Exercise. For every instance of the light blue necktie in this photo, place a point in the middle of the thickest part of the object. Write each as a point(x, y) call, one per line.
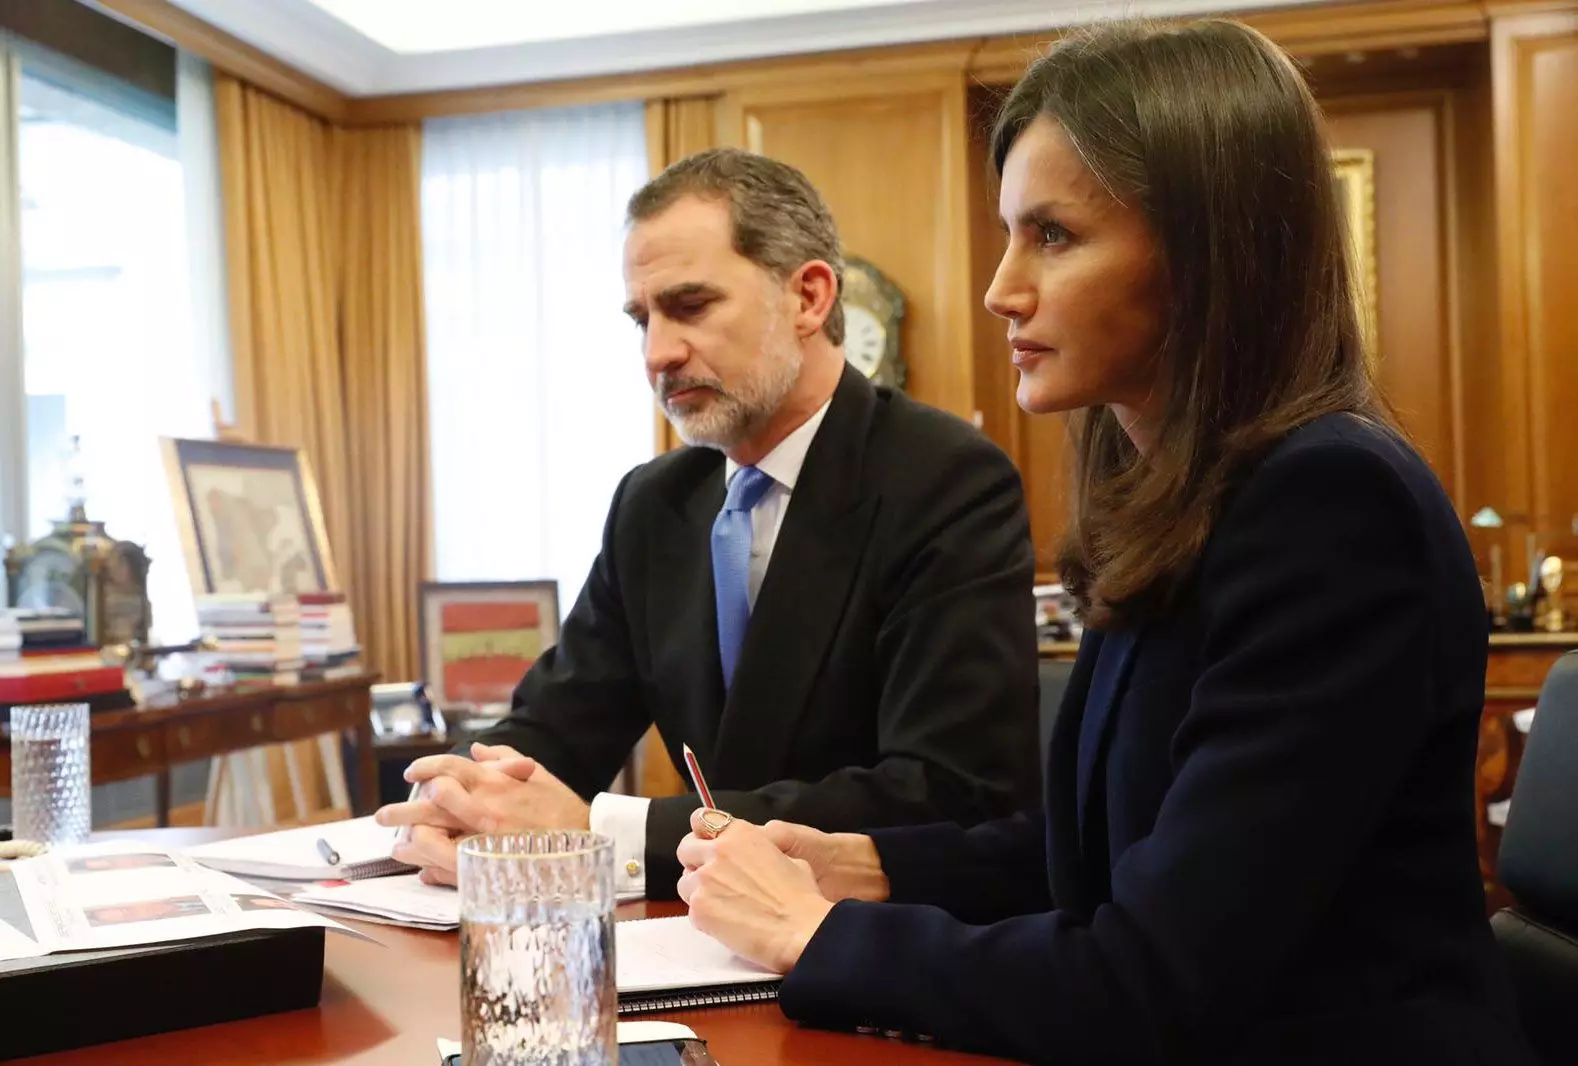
point(731, 563)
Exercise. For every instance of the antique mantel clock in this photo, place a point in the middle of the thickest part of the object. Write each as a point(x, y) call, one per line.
point(873, 310)
point(78, 566)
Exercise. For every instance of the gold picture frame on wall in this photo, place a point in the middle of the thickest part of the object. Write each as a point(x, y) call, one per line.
point(1354, 169)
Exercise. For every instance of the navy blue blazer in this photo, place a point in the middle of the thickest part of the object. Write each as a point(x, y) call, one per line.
point(1258, 836)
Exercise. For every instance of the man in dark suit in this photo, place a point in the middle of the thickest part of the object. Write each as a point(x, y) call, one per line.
point(878, 549)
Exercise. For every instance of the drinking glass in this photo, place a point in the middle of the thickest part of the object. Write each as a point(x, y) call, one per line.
point(537, 950)
point(50, 801)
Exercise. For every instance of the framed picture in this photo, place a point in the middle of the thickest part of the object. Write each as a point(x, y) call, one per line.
point(249, 518)
point(479, 638)
point(1354, 169)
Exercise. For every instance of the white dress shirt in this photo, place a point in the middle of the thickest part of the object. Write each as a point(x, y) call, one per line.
point(624, 818)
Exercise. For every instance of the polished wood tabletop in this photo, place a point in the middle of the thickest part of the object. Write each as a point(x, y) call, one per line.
point(386, 1003)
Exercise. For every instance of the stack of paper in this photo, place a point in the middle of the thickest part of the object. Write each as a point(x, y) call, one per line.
point(403, 900)
point(124, 894)
point(360, 847)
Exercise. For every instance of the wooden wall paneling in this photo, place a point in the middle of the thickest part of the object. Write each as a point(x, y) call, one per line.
point(1306, 31)
point(889, 156)
point(1534, 71)
point(1480, 458)
point(1416, 359)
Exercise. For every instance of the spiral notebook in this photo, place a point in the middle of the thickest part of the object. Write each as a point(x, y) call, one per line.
point(360, 845)
point(666, 964)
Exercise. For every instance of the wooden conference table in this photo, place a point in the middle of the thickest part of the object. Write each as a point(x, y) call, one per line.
point(387, 1003)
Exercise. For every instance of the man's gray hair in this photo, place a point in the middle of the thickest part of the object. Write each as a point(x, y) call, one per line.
point(779, 220)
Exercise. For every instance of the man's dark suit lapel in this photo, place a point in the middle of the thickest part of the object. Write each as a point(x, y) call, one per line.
point(819, 547)
point(685, 625)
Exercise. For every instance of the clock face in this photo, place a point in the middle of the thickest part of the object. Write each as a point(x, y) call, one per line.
point(47, 581)
point(865, 339)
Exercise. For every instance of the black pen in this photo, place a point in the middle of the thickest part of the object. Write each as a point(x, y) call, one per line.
point(326, 849)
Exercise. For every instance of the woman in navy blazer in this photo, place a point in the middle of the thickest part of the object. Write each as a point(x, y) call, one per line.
point(1258, 836)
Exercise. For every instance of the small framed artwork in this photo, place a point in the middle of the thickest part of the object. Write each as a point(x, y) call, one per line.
point(249, 518)
point(479, 638)
point(1354, 169)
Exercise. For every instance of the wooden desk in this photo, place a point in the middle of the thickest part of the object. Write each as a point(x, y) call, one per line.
point(150, 740)
point(387, 1004)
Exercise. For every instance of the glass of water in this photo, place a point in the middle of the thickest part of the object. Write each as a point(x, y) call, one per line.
point(50, 801)
point(537, 950)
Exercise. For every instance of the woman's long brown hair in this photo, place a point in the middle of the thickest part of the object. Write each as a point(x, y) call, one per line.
point(1211, 130)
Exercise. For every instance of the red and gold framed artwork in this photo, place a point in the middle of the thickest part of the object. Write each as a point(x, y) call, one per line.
point(480, 637)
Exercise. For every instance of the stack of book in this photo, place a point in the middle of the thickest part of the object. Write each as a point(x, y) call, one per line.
point(328, 637)
point(258, 637)
point(26, 630)
point(43, 660)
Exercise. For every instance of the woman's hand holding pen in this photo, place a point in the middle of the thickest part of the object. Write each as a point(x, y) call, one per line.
point(744, 892)
point(846, 865)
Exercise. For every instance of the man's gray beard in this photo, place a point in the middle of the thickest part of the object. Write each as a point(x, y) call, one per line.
point(731, 419)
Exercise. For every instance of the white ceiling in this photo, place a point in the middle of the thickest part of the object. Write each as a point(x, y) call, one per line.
point(374, 47)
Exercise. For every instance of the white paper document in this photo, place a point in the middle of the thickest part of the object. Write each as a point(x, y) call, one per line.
point(401, 900)
point(123, 894)
point(662, 954)
point(360, 845)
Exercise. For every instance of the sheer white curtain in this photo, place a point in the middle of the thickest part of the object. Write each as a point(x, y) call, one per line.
point(537, 399)
point(109, 303)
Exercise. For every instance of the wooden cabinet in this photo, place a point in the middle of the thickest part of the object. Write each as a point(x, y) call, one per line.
point(139, 743)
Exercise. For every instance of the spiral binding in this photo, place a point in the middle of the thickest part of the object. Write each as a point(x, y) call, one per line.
point(724, 996)
point(366, 868)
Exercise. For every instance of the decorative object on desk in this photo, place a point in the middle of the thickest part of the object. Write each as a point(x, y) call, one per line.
point(80, 568)
point(537, 948)
point(478, 638)
point(249, 518)
point(1553, 614)
point(141, 663)
point(403, 709)
point(873, 313)
point(1520, 608)
point(50, 773)
point(1354, 169)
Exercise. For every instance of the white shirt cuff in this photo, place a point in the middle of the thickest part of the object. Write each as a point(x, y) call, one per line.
point(624, 820)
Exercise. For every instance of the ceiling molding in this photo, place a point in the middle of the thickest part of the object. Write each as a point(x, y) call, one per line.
point(304, 36)
point(179, 27)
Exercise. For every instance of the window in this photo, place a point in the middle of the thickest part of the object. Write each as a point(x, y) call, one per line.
point(110, 361)
point(538, 402)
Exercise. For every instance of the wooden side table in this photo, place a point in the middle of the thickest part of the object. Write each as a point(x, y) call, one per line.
point(150, 740)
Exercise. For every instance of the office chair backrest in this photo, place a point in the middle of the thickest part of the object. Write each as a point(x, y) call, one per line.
point(1054, 682)
point(1539, 849)
point(1538, 863)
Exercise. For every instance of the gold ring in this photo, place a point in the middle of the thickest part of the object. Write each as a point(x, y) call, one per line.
point(715, 821)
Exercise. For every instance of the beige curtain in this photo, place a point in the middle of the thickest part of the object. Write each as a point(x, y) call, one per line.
point(323, 247)
point(676, 127)
point(383, 358)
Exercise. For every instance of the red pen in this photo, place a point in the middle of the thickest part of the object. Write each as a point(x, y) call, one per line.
point(695, 776)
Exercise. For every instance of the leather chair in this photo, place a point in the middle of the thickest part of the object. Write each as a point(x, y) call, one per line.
point(1054, 682)
point(1538, 863)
